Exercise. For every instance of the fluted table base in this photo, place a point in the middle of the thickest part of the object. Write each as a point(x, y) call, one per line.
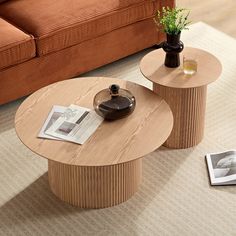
point(188, 107)
point(94, 187)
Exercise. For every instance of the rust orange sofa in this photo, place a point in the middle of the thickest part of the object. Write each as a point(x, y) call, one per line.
point(44, 41)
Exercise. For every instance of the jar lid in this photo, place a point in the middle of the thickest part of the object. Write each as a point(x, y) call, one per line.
point(114, 89)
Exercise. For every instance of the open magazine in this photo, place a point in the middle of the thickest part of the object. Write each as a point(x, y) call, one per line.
point(222, 167)
point(54, 114)
point(74, 124)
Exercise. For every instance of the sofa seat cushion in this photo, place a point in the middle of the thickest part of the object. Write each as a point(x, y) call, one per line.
point(15, 45)
point(58, 24)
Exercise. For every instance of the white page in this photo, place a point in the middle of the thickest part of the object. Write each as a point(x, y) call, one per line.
point(54, 114)
point(77, 124)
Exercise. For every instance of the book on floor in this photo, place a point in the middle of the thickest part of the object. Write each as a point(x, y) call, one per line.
point(222, 167)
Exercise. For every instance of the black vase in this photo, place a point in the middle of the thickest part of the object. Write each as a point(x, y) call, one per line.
point(172, 46)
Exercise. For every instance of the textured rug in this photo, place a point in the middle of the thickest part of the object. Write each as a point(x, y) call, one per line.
point(175, 197)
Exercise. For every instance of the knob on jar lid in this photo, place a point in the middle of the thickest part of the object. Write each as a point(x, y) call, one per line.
point(114, 89)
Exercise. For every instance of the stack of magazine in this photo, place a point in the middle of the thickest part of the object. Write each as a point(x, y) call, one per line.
point(74, 124)
point(222, 167)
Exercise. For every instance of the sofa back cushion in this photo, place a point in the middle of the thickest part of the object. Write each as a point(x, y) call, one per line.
point(58, 24)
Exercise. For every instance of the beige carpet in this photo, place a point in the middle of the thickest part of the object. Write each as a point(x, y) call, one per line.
point(175, 197)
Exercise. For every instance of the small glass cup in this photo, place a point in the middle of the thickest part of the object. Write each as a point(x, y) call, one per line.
point(189, 64)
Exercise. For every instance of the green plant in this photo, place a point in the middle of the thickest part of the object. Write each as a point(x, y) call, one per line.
point(172, 20)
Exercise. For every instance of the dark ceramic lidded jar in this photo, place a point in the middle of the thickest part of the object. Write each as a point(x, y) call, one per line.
point(114, 103)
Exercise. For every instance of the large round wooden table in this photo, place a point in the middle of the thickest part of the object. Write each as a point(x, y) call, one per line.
point(185, 94)
point(107, 169)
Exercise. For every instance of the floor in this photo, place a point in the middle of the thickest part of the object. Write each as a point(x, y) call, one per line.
point(221, 14)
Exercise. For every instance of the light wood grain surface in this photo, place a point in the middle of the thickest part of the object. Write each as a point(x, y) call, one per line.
point(209, 69)
point(186, 95)
point(188, 106)
point(113, 142)
point(96, 186)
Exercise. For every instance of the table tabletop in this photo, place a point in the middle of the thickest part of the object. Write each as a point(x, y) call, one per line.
point(208, 70)
point(114, 142)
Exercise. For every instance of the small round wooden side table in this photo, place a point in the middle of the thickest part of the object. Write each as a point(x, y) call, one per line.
point(186, 95)
point(107, 168)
